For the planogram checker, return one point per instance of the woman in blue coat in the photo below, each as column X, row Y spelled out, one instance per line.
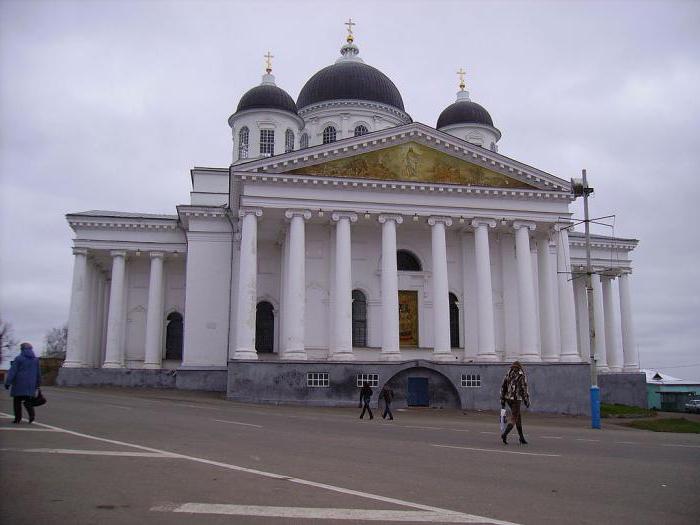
column 24, row 377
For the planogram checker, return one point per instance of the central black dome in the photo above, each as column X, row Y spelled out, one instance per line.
column 464, row 112
column 267, row 96
column 350, row 80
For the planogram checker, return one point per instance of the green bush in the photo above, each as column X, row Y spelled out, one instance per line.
column 668, row 425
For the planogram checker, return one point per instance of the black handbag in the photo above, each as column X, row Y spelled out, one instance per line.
column 38, row 399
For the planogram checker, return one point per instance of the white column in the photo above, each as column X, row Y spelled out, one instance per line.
column 567, row 306
column 342, row 348
column 529, row 350
column 629, row 346
column 296, row 286
column 390, row 288
column 99, row 320
column 284, row 257
column 154, row 313
column 78, row 305
column 91, row 314
column 486, row 350
column 582, row 317
column 599, row 324
column 115, row 322
column 613, row 353
column 441, row 292
column 548, row 335
column 247, row 285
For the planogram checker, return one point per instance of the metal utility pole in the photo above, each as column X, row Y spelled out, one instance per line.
column 580, row 188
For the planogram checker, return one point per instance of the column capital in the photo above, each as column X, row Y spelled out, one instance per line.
column 242, row 212
column 561, row 226
column 384, row 217
column 117, row 253
column 530, row 225
column 80, row 251
column 304, row 214
column 337, row 215
column 435, row 219
column 157, row 255
column 481, row 221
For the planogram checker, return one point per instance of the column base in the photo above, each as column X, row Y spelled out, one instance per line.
column 151, row 366
column 342, row 356
column 72, row 364
column 294, row 355
column 390, row 356
column 603, row 369
column 112, row 365
column 530, row 358
column 245, row 354
column 615, row 369
column 631, row 368
column 570, row 358
column 443, row 356
column 550, row 359
column 482, row 357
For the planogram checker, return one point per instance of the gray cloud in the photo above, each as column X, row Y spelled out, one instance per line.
column 99, row 98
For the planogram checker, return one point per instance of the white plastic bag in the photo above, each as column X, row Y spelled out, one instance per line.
column 502, row 420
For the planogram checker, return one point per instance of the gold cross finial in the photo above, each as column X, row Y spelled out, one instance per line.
column 268, row 62
column 461, row 74
column 350, row 23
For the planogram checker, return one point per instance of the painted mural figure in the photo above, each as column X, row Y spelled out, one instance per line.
column 513, row 392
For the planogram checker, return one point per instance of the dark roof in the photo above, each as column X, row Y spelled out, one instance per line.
column 464, row 112
column 350, row 81
column 267, row 96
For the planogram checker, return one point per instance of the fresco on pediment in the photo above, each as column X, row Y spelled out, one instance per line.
column 411, row 162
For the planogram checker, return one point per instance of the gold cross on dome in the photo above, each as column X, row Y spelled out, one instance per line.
column 461, row 74
column 350, row 23
column 268, row 62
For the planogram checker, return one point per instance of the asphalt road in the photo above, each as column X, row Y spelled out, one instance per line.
column 144, row 456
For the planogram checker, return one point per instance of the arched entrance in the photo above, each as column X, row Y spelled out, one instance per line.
column 359, row 319
column 264, row 327
column 406, row 261
column 454, row 321
column 423, row 387
column 173, row 337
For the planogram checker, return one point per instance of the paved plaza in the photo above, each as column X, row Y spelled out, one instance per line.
column 170, row 457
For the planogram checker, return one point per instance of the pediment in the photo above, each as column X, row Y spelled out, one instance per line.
column 411, row 162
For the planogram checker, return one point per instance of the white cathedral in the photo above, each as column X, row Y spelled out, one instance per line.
column 346, row 243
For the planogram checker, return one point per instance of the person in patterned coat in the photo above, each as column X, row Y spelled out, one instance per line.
column 513, row 392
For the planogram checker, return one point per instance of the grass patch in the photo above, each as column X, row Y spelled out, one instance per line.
column 668, row 425
column 607, row 410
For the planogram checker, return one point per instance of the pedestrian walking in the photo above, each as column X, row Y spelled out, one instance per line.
column 24, row 377
column 365, row 396
column 513, row 392
column 387, row 394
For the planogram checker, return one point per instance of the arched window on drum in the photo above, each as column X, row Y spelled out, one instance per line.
column 359, row 319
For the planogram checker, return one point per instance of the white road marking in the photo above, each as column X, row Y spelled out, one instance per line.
column 589, row 440
column 686, row 446
column 117, row 406
column 325, row 513
column 626, row 442
column 432, row 428
column 491, row 433
column 282, row 477
column 497, row 450
column 195, row 406
column 90, row 452
column 238, row 423
column 551, row 437
column 28, row 429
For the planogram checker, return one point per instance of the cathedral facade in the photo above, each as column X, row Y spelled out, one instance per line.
column 346, row 243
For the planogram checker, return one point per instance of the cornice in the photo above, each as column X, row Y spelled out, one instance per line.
column 416, row 187
column 578, row 239
column 415, row 132
column 77, row 222
column 307, row 111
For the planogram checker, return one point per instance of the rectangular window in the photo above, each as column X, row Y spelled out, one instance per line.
column 267, row 142
column 471, row 380
column 372, row 379
column 317, row 379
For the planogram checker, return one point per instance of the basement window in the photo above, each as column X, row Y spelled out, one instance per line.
column 371, row 379
column 317, row 379
column 471, row 380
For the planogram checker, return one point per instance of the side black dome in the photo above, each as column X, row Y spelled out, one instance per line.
column 464, row 112
column 267, row 96
column 350, row 81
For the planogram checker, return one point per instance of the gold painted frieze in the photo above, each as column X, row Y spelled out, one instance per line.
column 411, row 162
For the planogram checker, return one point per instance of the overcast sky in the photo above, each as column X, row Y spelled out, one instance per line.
column 107, row 105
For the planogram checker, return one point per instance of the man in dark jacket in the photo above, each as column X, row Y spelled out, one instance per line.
column 514, row 391
column 387, row 394
column 365, row 396
column 24, row 377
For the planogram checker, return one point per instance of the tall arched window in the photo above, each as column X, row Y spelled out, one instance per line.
column 329, row 134
column 264, row 327
column 454, row 321
column 243, row 143
column 407, row 262
column 359, row 318
column 267, row 142
column 304, row 141
column 173, row 337
column 361, row 130
column 288, row 141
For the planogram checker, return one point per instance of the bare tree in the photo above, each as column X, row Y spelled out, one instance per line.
column 8, row 343
column 56, row 342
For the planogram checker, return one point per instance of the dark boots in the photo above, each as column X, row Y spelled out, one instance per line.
column 504, row 436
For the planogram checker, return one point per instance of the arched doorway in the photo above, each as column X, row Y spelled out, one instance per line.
column 173, row 337
column 454, row 321
column 359, row 319
column 264, row 327
column 407, row 262
column 422, row 386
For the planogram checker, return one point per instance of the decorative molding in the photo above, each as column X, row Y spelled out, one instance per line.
column 435, row 219
column 481, row 221
column 242, row 212
column 337, row 215
column 530, row 225
column 384, row 217
column 305, row 214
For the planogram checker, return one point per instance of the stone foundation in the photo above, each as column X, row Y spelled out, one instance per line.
column 627, row 388
column 213, row 380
